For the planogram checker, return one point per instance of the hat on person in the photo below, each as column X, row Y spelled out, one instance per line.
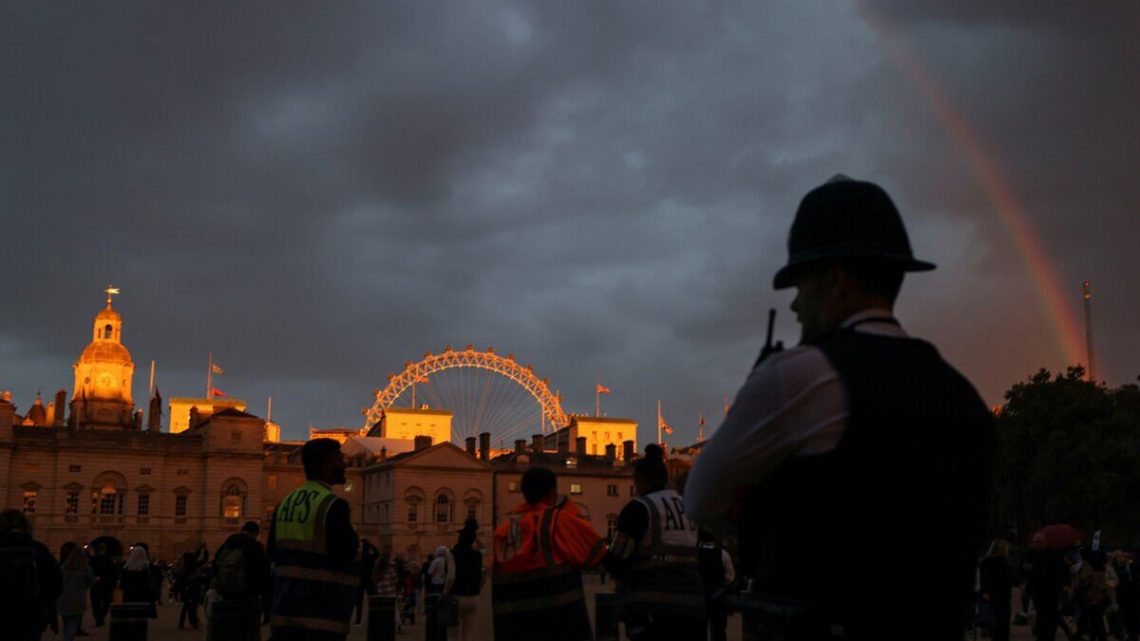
column 847, row 218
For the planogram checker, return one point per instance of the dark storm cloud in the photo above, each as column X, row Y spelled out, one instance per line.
column 318, row 193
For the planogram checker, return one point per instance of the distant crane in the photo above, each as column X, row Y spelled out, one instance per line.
column 1088, row 332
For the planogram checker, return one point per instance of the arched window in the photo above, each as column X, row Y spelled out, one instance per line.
column 107, row 331
column 233, row 499
column 108, row 494
column 414, row 497
column 444, row 508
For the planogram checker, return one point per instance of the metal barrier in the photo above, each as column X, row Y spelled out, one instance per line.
column 381, row 618
column 232, row 620
column 129, row 621
column 605, row 617
column 435, row 623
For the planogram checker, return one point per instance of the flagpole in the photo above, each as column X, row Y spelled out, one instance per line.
column 597, row 398
column 660, row 441
column 210, row 375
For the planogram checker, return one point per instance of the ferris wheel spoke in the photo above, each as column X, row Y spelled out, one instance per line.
column 484, row 392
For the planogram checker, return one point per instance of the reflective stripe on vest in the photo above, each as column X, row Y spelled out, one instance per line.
column 309, row 623
column 316, row 574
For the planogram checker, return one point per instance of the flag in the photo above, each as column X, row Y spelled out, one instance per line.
column 216, row 369
column 217, row 392
column 601, row 389
column 663, row 426
column 112, row 290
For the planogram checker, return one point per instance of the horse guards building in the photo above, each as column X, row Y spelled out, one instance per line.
column 95, row 472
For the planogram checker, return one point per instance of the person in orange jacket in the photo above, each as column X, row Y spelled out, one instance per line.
column 539, row 555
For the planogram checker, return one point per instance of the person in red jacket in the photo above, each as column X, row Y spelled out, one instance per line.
column 539, row 554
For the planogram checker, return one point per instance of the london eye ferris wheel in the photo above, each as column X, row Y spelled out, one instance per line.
column 485, row 392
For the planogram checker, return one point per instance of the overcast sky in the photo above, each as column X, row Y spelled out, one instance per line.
column 318, row 192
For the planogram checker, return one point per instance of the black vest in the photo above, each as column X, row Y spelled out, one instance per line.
column 901, row 502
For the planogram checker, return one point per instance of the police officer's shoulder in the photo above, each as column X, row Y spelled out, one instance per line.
column 788, row 365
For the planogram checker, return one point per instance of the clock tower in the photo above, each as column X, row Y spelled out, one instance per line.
column 103, row 376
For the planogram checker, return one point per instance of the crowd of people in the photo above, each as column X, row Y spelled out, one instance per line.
column 1086, row 593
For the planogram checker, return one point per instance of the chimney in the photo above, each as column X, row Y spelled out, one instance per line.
column 422, row 442
column 580, row 445
column 485, row 446
column 627, row 451
column 60, row 408
column 383, row 453
column 471, row 445
column 611, row 452
column 536, row 443
column 7, row 417
column 520, row 445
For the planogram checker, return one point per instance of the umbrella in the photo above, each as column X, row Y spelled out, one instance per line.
column 1060, row 536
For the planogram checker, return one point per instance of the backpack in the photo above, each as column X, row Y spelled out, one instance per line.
column 230, row 578
column 20, row 589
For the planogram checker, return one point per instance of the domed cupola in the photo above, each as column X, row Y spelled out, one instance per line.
column 104, row 374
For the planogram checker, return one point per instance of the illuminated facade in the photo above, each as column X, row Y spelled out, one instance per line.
column 99, row 475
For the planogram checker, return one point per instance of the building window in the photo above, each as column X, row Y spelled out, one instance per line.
column 180, row 505
column 75, row 469
column 513, row 486
column 235, row 436
column 271, row 481
column 144, row 471
column 232, row 502
column 611, row 490
column 107, row 332
column 144, row 504
column 443, row 509
column 183, row 472
column 72, row 503
column 107, row 502
column 472, row 509
column 575, row 488
column 413, row 512
column 30, row 497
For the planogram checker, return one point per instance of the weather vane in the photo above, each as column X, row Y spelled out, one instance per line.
column 111, row 291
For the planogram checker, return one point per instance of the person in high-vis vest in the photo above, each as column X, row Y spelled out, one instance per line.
column 540, row 551
column 654, row 558
column 313, row 546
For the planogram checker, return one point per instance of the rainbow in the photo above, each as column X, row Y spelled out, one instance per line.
column 1054, row 296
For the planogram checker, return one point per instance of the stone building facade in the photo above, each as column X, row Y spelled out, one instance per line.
column 99, row 475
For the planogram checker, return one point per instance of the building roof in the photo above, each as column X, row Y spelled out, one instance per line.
column 599, row 419
column 373, row 444
column 108, row 314
column 105, row 352
column 558, row 461
column 407, row 457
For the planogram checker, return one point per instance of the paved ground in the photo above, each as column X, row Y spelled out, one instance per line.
column 166, row 626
